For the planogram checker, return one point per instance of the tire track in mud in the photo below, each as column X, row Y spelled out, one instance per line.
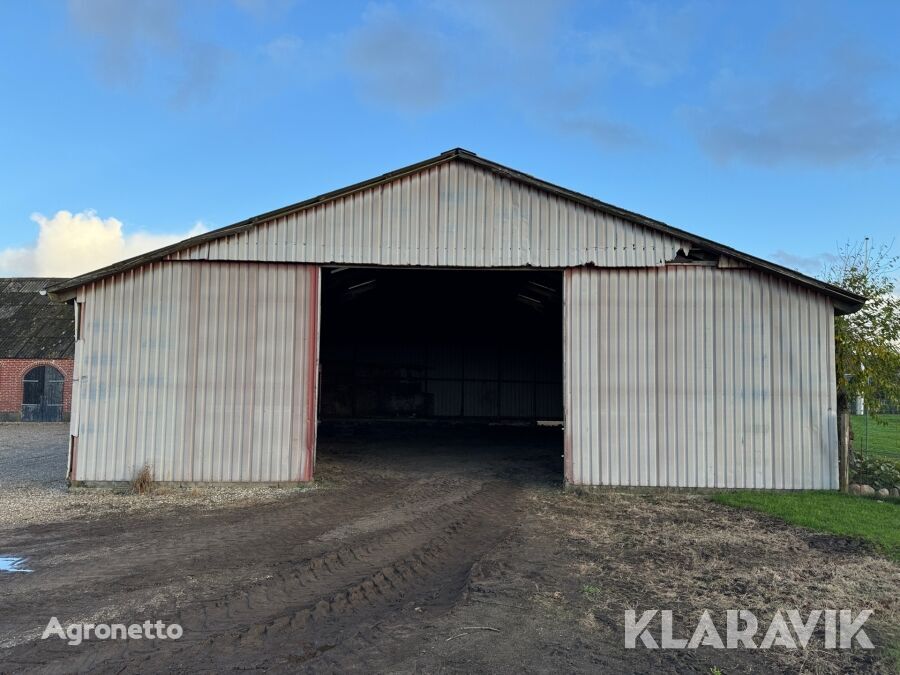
column 170, row 552
column 307, row 609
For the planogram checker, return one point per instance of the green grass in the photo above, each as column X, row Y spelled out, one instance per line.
column 882, row 440
column 591, row 592
column 876, row 522
column 892, row 655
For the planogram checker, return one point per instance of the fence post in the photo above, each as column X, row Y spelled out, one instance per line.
column 844, row 450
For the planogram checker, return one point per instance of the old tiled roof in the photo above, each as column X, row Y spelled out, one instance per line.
column 31, row 325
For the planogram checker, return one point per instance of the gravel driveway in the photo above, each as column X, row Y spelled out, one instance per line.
column 33, row 454
column 448, row 555
column 33, row 486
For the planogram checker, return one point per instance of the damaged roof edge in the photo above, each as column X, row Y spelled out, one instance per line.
column 845, row 302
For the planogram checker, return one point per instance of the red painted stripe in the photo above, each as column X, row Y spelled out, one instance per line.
column 74, row 457
column 312, row 372
column 567, row 354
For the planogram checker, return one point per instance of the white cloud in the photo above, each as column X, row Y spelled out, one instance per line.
column 131, row 39
column 264, row 8
column 814, row 265
column 16, row 262
column 606, row 133
column 398, row 61
column 655, row 43
column 813, row 92
column 70, row 244
column 835, row 121
column 283, row 50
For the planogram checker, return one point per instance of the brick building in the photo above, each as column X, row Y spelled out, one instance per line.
column 37, row 348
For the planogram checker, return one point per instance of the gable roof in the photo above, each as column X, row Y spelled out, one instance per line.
column 31, row 325
column 844, row 301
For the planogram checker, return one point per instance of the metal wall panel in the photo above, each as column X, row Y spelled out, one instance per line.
column 693, row 376
column 205, row 371
column 454, row 215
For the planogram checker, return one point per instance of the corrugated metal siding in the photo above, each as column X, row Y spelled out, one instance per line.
column 693, row 376
column 455, row 215
column 207, row 372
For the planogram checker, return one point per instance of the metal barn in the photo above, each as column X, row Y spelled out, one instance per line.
column 456, row 289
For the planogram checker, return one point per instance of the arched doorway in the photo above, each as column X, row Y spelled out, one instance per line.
column 42, row 395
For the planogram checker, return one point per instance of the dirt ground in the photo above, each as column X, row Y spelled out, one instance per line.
column 453, row 553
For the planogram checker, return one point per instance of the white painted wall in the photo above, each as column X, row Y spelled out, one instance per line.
column 694, row 376
column 205, row 371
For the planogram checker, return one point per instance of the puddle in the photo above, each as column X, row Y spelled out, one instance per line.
column 8, row 564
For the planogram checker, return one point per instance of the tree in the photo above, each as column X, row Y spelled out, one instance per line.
column 867, row 343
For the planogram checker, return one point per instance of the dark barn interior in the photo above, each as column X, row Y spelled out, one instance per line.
column 450, row 345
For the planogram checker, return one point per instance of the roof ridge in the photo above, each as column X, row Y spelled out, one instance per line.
column 847, row 300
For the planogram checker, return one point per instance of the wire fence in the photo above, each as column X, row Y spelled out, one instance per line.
column 877, row 437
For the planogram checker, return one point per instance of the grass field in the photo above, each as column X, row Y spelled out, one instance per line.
column 873, row 521
column 881, row 439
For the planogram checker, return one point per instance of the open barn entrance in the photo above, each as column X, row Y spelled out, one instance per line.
column 419, row 353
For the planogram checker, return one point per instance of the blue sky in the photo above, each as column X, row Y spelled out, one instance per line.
column 772, row 127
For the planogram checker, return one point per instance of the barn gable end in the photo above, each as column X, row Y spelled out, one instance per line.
column 454, row 214
column 455, row 210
